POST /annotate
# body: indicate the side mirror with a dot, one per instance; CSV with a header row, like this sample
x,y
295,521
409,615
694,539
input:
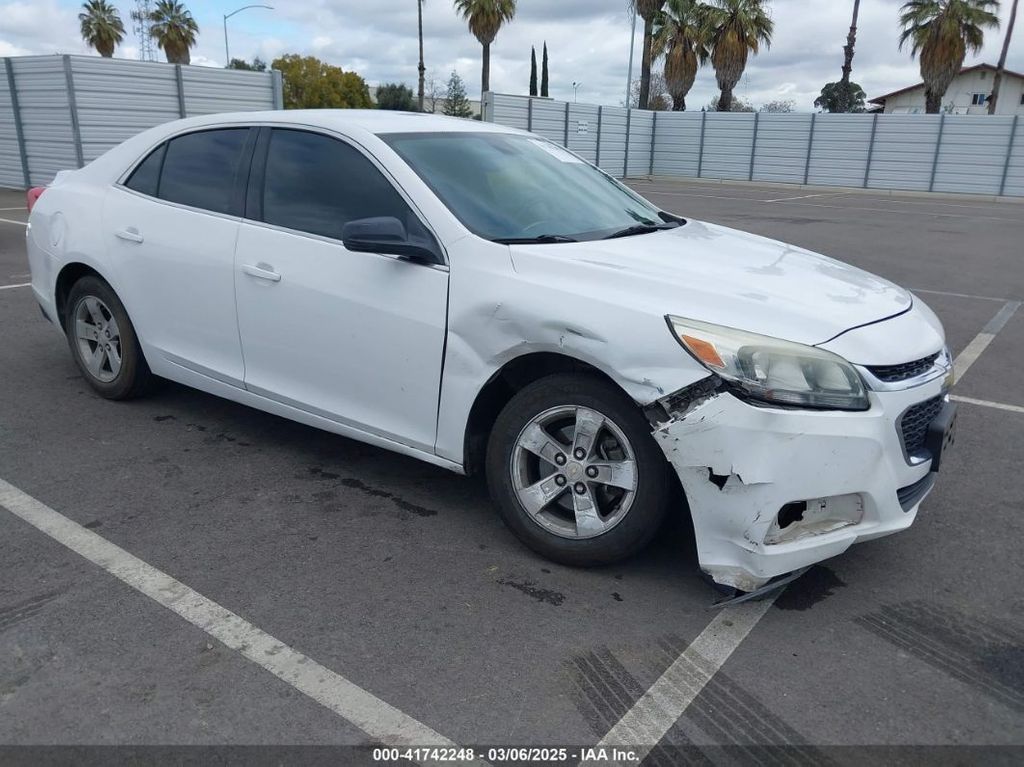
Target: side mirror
x,y
386,234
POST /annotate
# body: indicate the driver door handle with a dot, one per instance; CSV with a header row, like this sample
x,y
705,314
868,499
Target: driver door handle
x,y
262,271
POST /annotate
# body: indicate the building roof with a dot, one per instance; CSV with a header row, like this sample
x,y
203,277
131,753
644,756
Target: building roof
x,y
964,71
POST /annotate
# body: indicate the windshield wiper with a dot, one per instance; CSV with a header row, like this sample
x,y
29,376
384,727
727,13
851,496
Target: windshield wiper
x,y
629,231
540,239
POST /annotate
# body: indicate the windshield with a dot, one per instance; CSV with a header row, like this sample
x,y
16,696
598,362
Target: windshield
x,y
508,188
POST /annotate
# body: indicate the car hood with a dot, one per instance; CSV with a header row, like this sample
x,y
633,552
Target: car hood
x,y
711,273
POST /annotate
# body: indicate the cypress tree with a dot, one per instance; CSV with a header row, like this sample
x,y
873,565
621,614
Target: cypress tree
x,y
544,72
533,71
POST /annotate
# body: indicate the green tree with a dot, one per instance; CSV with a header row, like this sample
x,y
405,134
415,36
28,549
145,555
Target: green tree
x,y
485,18
1001,67
648,10
174,29
780,106
257,65
737,28
310,83
457,104
680,35
533,71
942,31
102,27
395,97
837,97
544,72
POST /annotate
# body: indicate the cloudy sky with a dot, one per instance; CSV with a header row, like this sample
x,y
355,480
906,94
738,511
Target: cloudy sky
x,y
588,42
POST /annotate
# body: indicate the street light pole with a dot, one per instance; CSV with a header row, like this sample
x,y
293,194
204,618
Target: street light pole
x,y
575,87
632,42
227,55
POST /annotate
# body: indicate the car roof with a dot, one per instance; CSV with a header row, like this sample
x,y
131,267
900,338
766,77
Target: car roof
x,y
375,121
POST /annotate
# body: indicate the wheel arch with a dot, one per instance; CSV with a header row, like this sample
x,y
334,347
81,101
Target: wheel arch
x,y
510,378
69,274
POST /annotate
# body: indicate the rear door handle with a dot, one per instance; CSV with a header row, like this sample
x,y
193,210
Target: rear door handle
x,y
262,271
131,234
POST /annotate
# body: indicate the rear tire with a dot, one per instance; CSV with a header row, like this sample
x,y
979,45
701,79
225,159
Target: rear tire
x,y
103,342
575,472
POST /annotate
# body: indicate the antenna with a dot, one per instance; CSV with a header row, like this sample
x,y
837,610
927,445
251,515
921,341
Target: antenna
x,y
141,19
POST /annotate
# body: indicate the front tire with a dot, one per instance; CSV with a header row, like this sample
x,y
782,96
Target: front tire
x,y
103,341
575,472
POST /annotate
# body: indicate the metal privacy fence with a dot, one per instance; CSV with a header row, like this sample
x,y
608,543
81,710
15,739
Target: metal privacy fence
x,y
59,112
973,154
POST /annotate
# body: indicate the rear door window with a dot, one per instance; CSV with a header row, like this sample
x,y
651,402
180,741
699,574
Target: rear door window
x,y
202,169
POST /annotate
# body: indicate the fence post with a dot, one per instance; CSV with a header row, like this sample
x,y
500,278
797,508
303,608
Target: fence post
x,y
810,146
179,79
278,86
871,150
654,133
700,146
76,130
566,142
625,160
529,114
938,147
1006,165
18,131
597,158
753,147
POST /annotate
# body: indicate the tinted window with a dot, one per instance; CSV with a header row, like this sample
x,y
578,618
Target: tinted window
x,y
317,184
147,173
200,168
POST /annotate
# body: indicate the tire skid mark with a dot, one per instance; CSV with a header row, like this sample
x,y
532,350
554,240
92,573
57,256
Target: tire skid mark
x,y
21,611
972,651
605,689
729,716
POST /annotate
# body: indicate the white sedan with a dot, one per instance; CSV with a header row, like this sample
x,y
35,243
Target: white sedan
x,y
482,299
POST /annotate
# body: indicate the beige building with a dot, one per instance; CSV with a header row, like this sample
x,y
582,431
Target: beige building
x,y
967,95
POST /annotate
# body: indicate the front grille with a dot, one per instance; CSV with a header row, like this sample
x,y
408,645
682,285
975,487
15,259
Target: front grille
x,y
915,421
903,371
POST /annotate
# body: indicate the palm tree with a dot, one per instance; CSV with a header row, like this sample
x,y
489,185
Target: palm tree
x,y
1002,61
422,67
485,18
174,29
942,31
851,40
736,28
649,11
102,27
680,35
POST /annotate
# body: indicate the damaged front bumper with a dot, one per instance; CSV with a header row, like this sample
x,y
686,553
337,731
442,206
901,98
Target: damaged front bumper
x,y
773,490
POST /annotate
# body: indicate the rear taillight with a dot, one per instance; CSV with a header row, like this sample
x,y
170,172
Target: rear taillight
x,y
32,195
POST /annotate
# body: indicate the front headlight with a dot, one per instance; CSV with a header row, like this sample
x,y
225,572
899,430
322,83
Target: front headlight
x,y
772,370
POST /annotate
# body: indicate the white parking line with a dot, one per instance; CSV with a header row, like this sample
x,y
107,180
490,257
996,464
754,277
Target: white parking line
x,y
957,295
980,342
20,207
380,720
807,196
660,707
12,221
988,403
19,285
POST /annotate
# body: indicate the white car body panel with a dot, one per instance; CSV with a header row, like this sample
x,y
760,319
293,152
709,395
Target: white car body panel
x,y
395,353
